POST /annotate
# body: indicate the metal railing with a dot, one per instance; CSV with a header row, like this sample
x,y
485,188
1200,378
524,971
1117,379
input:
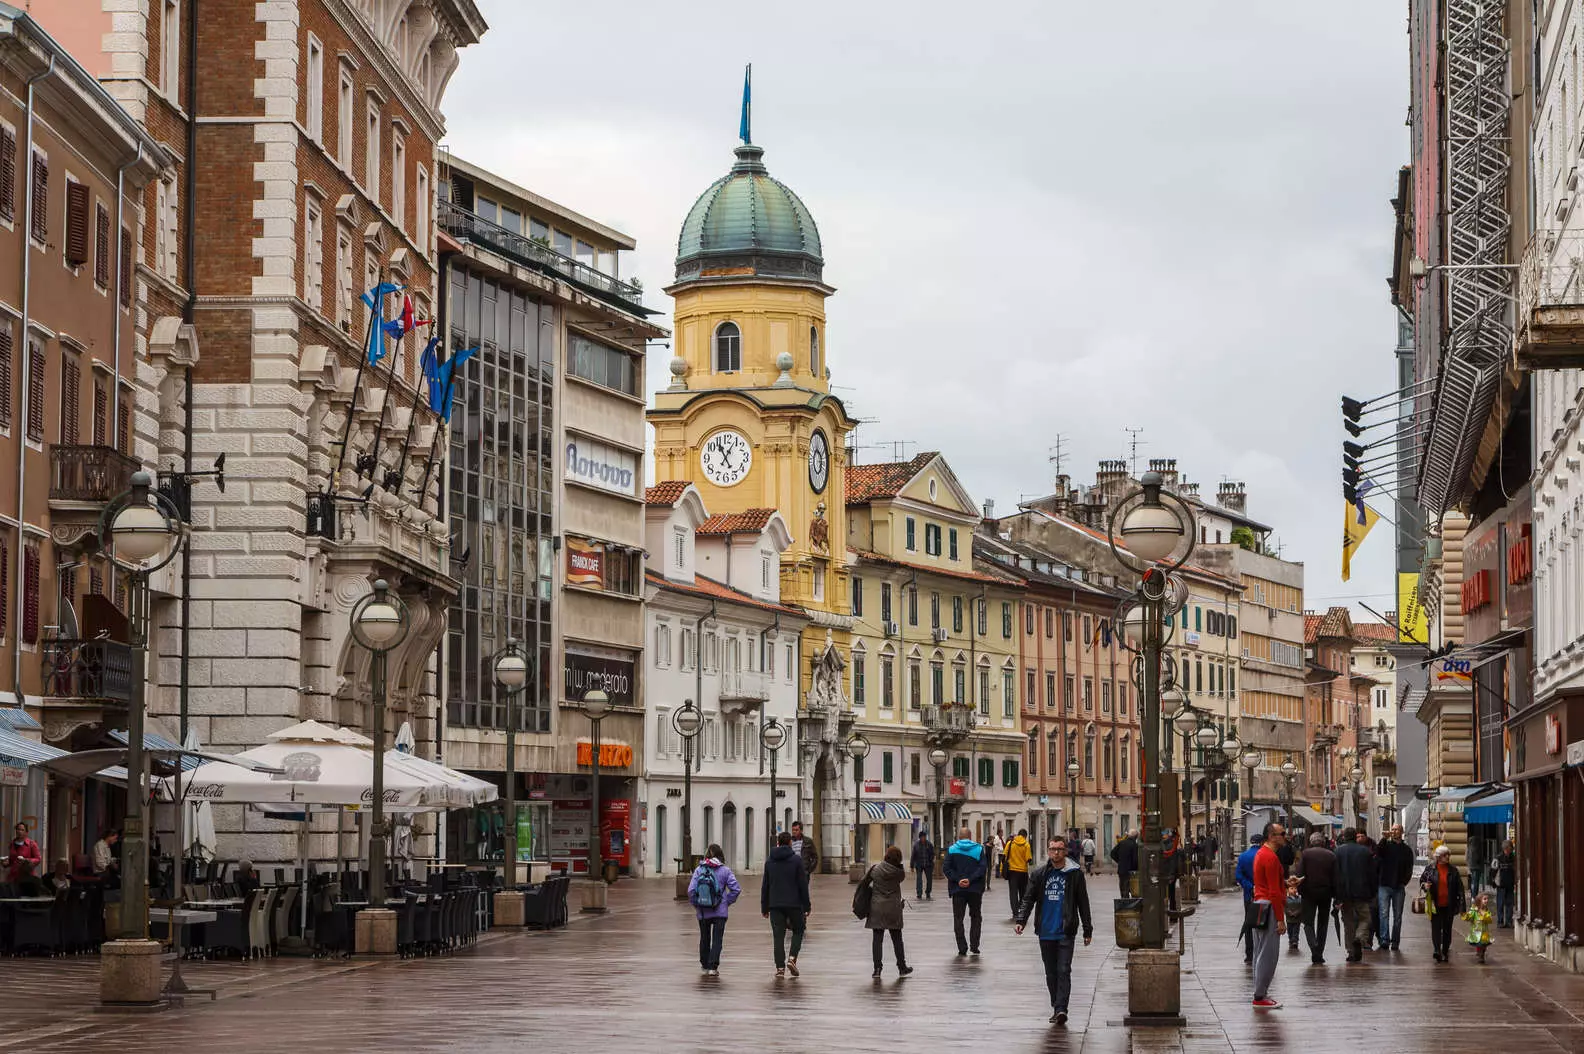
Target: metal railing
x,y
89,473
744,684
951,718
461,223
87,669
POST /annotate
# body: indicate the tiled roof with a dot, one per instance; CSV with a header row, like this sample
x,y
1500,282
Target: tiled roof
x,y
1336,623
749,521
668,493
1311,628
885,480
1374,632
994,576
708,587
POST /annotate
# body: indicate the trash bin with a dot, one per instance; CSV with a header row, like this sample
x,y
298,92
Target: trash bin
x,y
611,869
1129,919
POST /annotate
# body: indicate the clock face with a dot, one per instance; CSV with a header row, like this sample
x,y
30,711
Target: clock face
x,y
726,458
819,461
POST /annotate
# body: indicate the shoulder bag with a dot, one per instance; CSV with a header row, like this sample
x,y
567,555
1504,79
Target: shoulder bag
x,y
863,898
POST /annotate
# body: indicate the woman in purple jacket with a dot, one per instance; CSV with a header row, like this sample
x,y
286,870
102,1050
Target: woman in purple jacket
x,y
712,891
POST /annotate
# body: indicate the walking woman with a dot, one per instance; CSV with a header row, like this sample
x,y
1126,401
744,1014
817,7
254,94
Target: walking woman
x,y
712,891
885,908
1444,900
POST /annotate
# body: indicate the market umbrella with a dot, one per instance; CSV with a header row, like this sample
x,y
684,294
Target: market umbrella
x,y
199,816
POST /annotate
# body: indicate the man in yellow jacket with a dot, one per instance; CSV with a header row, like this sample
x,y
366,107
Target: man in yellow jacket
x,y
1018,853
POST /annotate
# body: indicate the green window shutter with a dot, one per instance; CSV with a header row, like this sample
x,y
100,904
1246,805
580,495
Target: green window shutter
x,y
885,767
960,768
1198,618
986,772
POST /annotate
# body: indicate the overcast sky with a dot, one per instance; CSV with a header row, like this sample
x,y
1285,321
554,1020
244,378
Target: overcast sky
x,y
1062,220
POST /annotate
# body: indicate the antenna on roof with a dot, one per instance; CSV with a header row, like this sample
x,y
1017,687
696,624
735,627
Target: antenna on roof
x,y
1058,456
1133,445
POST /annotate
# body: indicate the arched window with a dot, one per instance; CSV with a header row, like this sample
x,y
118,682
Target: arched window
x,y
728,348
814,353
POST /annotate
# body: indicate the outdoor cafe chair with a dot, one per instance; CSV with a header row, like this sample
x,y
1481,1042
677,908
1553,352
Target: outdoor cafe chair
x,y
261,904
284,916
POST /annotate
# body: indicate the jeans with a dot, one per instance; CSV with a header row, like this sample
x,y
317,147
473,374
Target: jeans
x,y
896,946
1267,951
924,879
1058,971
1089,865
781,920
1504,906
1390,899
711,933
1355,924
969,902
1017,882
1441,931
1316,919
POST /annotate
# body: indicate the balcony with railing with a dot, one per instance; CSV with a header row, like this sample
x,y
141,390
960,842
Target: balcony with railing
x,y
1550,323
97,671
949,722
1327,733
743,689
89,475
470,227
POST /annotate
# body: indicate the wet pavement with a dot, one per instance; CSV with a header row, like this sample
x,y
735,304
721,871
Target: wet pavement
x,y
629,980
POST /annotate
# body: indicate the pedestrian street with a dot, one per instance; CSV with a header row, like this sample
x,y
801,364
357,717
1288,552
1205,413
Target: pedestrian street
x,y
630,980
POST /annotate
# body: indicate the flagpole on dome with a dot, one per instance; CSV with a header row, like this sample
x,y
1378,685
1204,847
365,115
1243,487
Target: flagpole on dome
x,y
745,126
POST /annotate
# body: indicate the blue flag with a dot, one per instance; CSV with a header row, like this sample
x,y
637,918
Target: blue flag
x,y
1364,487
429,366
375,299
745,129
446,378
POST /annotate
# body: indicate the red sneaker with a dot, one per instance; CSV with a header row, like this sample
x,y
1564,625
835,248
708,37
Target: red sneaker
x,y
1266,1004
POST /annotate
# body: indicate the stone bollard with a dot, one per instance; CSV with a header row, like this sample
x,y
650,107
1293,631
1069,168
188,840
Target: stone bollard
x,y
374,932
510,908
129,974
1154,988
856,872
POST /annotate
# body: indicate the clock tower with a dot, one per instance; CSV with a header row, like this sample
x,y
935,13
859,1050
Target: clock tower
x,y
749,418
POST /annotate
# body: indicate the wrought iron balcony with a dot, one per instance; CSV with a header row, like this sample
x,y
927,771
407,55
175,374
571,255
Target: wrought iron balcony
x,y
89,475
90,670
1550,330
470,227
960,719
1327,733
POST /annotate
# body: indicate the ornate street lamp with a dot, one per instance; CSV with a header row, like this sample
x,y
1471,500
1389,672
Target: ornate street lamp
x,y
595,705
937,759
857,748
379,623
511,673
687,720
1289,773
141,531
1073,769
773,735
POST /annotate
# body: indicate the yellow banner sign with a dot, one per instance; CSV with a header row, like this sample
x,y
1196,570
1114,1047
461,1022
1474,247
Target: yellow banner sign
x,y
1354,530
1412,622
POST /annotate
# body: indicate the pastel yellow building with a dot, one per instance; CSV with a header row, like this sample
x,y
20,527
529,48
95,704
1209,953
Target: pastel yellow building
x,y
749,419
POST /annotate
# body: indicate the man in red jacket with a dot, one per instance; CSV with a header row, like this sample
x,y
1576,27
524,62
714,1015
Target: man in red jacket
x,y
1270,903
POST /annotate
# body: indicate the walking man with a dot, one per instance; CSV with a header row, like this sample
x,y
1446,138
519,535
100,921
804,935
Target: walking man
x,y
1089,850
1396,863
1316,870
784,900
1244,873
1058,898
923,864
1125,855
1356,886
964,869
1504,873
1018,855
1270,906
803,845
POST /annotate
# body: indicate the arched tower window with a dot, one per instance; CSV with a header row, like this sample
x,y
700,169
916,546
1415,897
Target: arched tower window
x,y
814,353
728,348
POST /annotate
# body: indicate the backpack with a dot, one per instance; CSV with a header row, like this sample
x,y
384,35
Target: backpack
x,y
706,890
863,898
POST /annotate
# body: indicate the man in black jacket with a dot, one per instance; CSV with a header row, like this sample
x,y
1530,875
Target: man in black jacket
x,y
923,864
1316,866
803,845
784,900
1125,855
1395,862
1058,898
1356,885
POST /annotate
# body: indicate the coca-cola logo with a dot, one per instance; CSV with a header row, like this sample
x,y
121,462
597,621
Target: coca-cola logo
x,y
389,797
205,791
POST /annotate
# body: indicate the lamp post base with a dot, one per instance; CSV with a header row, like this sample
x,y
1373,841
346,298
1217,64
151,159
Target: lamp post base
x,y
594,896
374,932
129,974
510,908
1154,989
682,883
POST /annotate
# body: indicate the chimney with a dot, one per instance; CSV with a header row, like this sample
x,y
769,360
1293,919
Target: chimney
x,y
1062,503
1231,496
1188,490
1112,478
1167,467
989,508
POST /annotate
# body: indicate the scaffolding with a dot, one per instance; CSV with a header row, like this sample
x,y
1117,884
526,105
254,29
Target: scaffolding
x,y
1478,275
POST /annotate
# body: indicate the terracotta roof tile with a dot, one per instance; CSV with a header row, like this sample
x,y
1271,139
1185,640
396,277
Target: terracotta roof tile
x,y
1311,628
1336,623
1374,632
994,575
708,587
668,493
884,480
749,521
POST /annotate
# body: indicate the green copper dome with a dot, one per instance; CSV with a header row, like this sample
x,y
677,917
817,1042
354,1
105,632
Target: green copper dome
x,y
747,220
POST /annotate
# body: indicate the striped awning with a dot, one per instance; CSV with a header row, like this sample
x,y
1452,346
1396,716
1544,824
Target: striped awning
x,y
883,811
18,720
19,750
155,741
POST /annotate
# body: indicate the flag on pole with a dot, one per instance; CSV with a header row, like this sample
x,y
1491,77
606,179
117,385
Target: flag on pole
x,y
1357,522
375,299
745,129
442,387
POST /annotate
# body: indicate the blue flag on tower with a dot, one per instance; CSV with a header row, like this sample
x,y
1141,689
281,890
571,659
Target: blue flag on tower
x,y
745,129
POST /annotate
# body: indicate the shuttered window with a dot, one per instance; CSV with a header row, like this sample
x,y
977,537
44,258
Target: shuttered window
x,y
5,585
6,354
7,173
125,278
35,394
77,202
102,247
71,382
96,581
40,203
101,413
123,426
30,593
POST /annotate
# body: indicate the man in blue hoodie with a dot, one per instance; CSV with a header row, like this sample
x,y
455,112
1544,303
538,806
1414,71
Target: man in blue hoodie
x,y
965,868
1245,878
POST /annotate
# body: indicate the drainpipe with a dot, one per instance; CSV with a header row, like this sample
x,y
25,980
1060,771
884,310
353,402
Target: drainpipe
x,y
27,359
190,279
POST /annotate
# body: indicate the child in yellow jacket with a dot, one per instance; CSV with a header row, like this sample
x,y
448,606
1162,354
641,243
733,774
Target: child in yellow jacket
x,y
1479,918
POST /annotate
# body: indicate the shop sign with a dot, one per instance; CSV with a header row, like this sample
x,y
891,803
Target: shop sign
x,y
1412,622
871,786
1454,671
598,465
612,755
1553,734
13,776
957,788
1476,591
610,674
585,563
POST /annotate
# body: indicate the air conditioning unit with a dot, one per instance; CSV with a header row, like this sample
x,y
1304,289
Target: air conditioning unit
x,y
893,629
938,634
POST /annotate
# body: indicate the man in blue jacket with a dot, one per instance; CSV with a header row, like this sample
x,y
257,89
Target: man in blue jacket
x,y
1245,878
965,868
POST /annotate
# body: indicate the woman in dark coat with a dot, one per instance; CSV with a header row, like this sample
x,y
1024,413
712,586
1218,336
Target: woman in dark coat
x,y
1445,900
885,908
